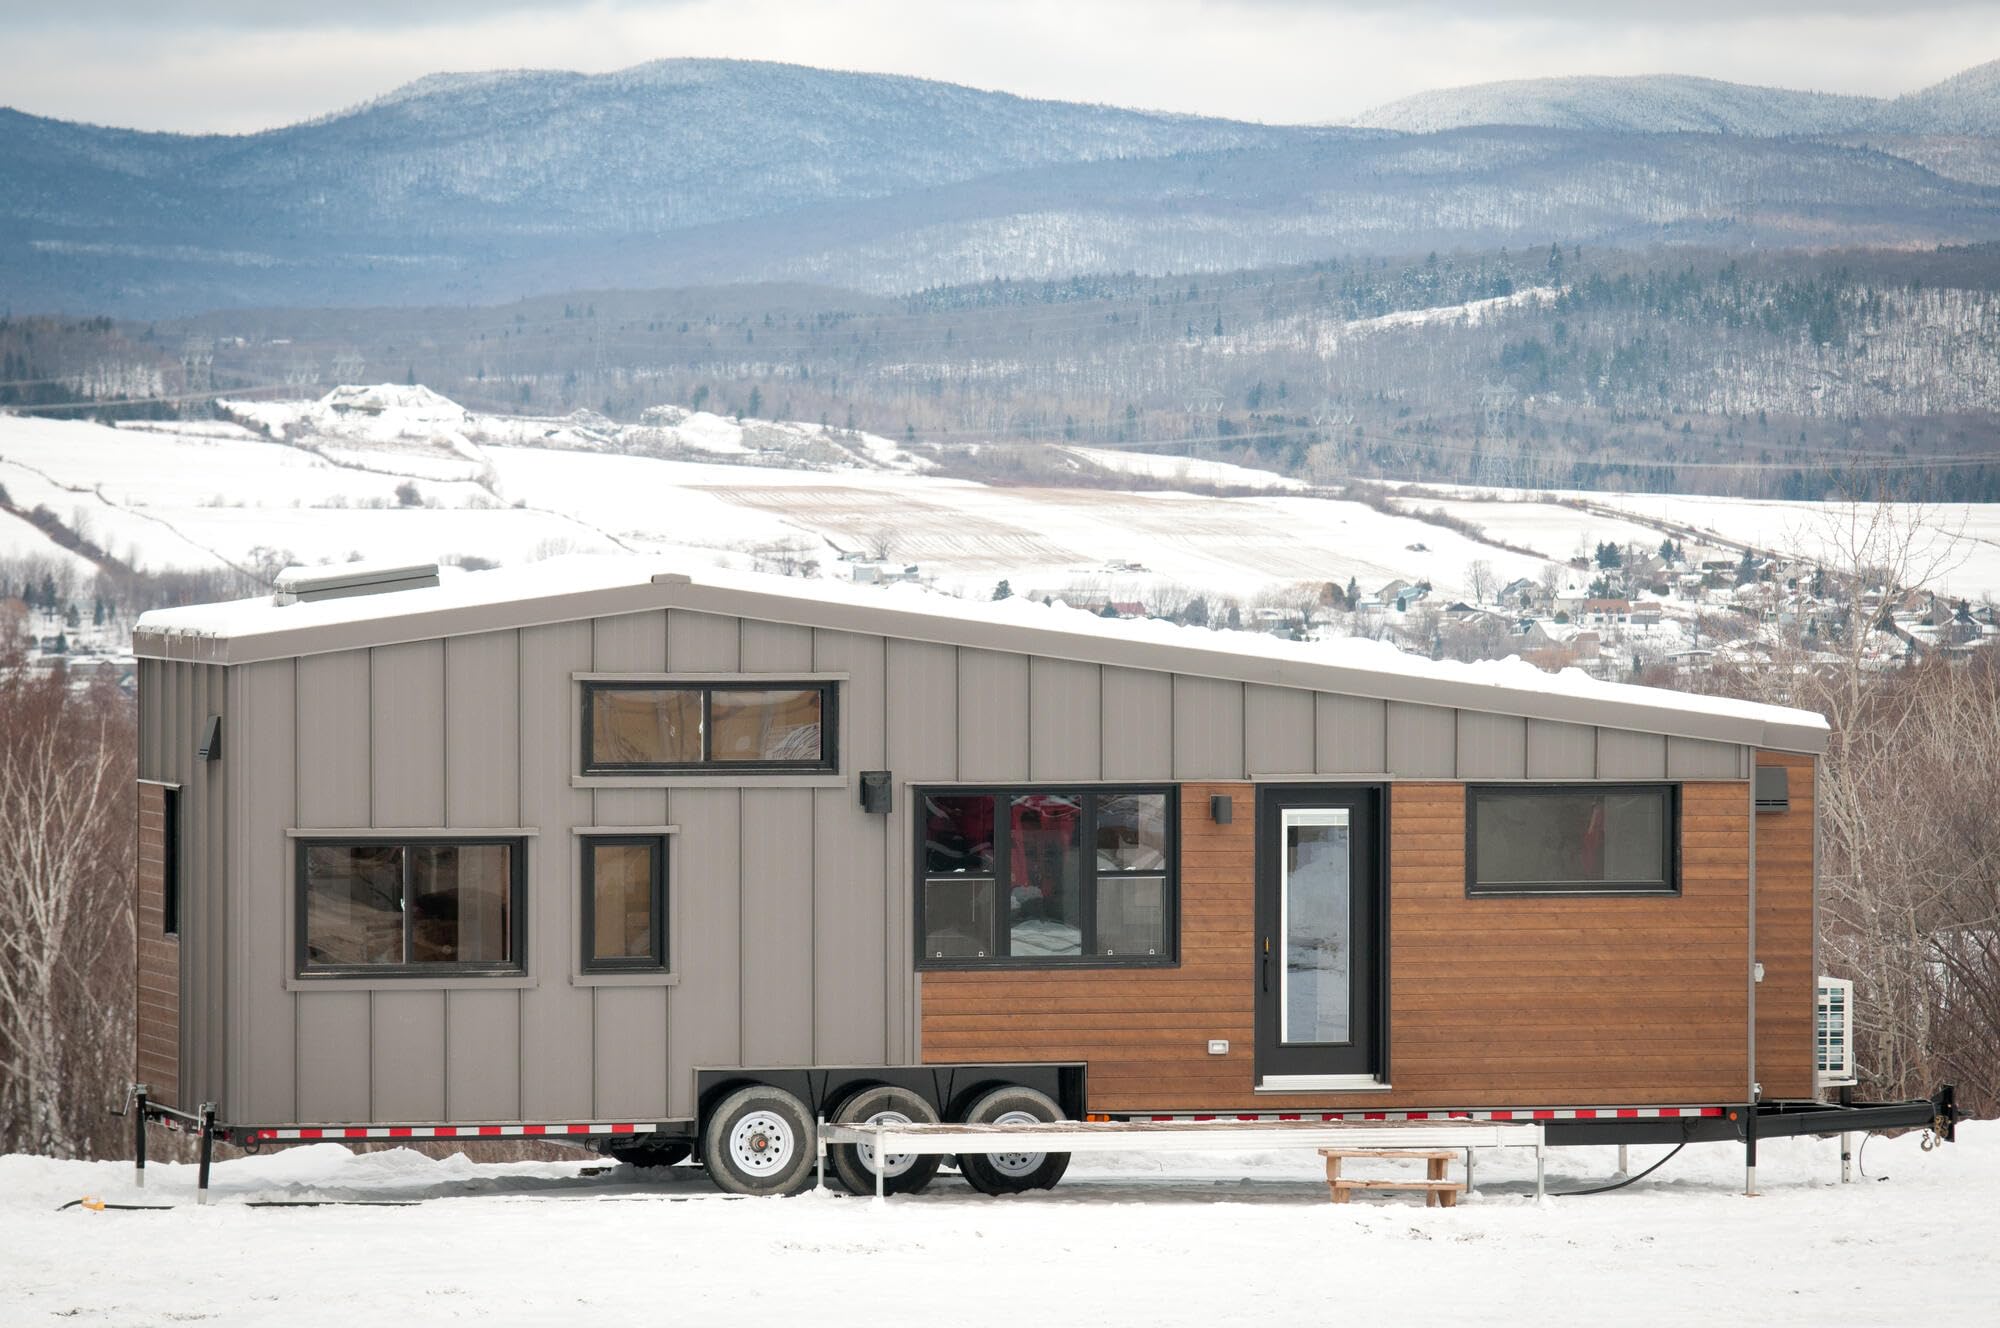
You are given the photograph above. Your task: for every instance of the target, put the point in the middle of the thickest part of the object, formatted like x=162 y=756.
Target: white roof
x=573 y=588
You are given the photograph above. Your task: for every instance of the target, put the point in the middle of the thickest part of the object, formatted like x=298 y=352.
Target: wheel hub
x=761 y=1142
x=893 y=1164
x=1015 y=1164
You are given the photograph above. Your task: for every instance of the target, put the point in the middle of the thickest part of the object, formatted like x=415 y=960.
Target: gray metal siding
x=1622 y=755
x=992 y=716
x=631 y=1027
x=556 y=1018
x=1138 y=718
x=1350 y=735
x=1208 y=728
x=776 y=892
x=1278 y=730
x=406 y=1055
x=1692 y=758
x=260 y=743
x=858 y=921
x=1561 y=751
x=706 y=1027
x=1492 y=746
x=1064 y=720
x=1423 y=741
x=406 y=734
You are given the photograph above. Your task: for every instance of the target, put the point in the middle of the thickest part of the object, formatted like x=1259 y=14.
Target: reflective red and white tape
x=1515 y=1114
x=449 y=1131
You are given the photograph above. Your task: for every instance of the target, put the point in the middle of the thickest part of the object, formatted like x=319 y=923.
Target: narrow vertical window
x=170 y=862
x=624 y=903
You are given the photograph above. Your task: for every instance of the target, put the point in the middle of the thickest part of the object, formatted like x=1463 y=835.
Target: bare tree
x=1479 y=579
x=65 y=933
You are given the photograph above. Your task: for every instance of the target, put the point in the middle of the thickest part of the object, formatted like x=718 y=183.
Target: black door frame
x=1368 y=1057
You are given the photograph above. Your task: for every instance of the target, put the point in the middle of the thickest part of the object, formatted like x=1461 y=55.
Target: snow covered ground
x=402 y=474
x=1125 y=1240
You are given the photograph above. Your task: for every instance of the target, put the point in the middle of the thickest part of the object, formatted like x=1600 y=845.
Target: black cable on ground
x=1621 y=1184
x=95 y=1206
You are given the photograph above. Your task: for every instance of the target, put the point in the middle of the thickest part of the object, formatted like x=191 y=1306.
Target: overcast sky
x=239 y=65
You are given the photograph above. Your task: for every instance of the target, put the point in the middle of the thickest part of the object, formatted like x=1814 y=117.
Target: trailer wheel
x=760 y=1140
x=903 y=1173
x=1013 y=1172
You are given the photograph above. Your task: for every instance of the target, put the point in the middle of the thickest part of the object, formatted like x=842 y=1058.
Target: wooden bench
x=1437 y=1189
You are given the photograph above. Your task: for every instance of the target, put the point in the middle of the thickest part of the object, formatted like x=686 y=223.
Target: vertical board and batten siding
x=556 y=1070
x=1785 y=934
x=1522 y=1001
x=482 y=789
x=406 y=762
x=778 y=866
x=334 y=1063
x=860 y=933
x=631 y=1026
x=184 y=697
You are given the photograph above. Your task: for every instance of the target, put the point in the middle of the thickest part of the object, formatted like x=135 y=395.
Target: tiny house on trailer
x=673 y=864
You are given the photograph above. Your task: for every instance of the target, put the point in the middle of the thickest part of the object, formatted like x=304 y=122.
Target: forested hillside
x=1554 y=366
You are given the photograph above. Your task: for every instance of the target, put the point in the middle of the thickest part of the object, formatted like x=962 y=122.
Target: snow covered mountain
x=1649 y=104
x=1966 y=103
x=474 y=189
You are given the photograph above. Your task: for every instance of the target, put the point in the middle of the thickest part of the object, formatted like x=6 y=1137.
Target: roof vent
x=1773 y=789
x=296 y=584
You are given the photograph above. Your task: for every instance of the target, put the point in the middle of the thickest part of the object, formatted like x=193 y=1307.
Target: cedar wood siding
x=157 y=1054
x=1785 y=935
x=1576 y=1000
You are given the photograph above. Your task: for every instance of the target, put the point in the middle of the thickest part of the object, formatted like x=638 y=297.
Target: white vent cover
x=341 y=580
x=1833 y=1032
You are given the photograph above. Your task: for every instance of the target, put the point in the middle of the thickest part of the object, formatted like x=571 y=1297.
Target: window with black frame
x=1046 y=876
x=691 y=727
x=420 y=907
x=1572 y=839
x=624 y=903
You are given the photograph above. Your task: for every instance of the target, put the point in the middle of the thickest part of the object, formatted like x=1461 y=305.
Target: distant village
x=1620 y=613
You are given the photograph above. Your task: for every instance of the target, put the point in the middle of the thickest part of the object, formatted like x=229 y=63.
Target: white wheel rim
x=1015 y=1165
x=893 y=1164
x=761 y=1142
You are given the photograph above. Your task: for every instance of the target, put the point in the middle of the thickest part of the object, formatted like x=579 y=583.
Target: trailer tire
x=654 y=1153
x=1012 y=1173
x=760 y=1140
x=907 y=1172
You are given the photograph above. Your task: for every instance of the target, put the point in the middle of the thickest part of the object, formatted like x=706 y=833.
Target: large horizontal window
x=624 y=903
x=1040 y=876
x=420 y=907
x=668 y=728
x=1572 y=839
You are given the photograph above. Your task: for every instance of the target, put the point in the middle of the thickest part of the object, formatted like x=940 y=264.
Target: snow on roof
x=571 y=588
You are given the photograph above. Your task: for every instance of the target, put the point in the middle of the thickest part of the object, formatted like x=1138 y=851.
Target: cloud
x=239 y=65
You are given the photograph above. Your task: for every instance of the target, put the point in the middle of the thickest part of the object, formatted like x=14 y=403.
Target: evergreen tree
x=1003 y=590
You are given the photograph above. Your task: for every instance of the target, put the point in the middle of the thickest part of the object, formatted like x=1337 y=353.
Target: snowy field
x=1126 y=1240
x=1965 y=537
x=414 y=477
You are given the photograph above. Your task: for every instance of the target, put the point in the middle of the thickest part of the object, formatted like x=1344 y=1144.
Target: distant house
x=1607 y=612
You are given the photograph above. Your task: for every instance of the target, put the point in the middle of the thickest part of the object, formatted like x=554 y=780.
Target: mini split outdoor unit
x=1833 y=1033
